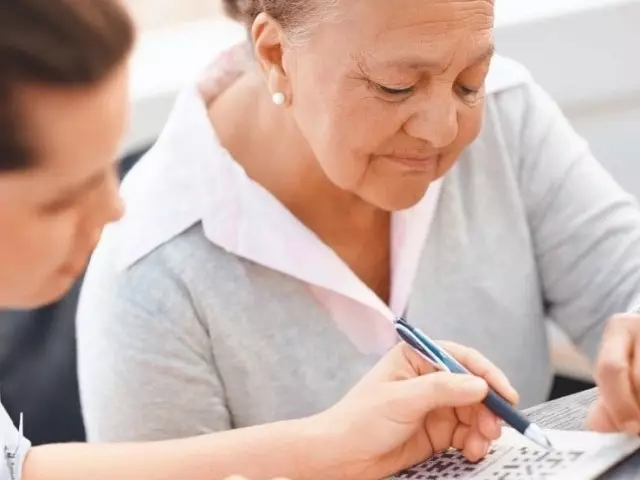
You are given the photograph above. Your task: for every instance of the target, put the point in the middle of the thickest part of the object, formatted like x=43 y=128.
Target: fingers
x=469 y=440
x=460 y=436
x=419 y=365
x=477 y=364
x=440 y=426
x=615 y=378
x=466 y=415
x=476 y=446
x=488 y=424
x=599 y=419
x=423 y=394
x=400 y=363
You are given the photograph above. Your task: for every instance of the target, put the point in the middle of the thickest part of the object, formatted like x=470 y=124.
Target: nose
x=117 y=209
x=106 y=206
x=436 y=119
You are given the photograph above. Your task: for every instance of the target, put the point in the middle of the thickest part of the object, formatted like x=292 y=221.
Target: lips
x=422 y=163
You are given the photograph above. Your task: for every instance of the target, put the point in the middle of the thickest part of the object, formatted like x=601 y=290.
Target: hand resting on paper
x=399 y=414
x=403 y=412
x=617 y=374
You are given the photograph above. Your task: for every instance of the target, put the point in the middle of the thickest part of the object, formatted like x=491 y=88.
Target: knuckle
x=475 y=354
x=610 y=369
x=452 y=346
x=616 y=322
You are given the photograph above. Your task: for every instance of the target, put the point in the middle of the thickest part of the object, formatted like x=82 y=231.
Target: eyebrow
x=486 y=55
x=418 y=63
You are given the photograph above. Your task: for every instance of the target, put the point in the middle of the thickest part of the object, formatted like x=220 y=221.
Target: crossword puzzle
x=447 y=465
x=502 y=463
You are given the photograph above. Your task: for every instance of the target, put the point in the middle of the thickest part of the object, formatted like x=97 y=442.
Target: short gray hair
x=298 y=18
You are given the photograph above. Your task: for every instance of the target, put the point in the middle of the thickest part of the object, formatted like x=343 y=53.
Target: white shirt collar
x=188 y=177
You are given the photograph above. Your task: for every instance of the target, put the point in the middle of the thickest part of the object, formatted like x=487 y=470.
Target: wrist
x=321 y=450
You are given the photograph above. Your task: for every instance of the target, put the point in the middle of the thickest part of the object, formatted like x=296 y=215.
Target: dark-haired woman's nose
x=109 y=206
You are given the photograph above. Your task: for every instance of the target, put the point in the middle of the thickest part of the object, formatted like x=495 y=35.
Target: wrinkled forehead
x=434 y=29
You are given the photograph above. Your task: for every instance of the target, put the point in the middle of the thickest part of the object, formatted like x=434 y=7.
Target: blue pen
x=438 y=357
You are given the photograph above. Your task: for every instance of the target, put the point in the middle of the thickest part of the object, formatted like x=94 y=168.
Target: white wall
x=586 y=53
x=588 y=58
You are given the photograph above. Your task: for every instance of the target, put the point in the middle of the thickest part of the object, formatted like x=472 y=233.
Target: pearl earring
x=278 y=98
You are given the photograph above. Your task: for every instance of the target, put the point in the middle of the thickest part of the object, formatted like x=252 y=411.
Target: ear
x=268 y=40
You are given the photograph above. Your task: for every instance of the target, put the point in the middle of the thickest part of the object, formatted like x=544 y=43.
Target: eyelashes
x=394 y=90
x=465 y=93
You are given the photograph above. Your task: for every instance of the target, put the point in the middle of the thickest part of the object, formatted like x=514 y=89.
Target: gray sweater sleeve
x=585 y=229
x=161 y=382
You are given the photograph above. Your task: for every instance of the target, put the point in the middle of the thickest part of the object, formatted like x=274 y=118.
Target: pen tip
x=537 y=435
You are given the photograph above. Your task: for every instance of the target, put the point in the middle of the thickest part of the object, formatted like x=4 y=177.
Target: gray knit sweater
x=181 y=337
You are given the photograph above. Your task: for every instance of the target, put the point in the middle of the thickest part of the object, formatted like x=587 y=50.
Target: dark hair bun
x=243 y=11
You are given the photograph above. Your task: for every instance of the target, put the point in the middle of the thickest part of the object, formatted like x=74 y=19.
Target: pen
x=438 y=357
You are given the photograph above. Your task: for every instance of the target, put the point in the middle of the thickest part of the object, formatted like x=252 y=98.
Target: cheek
x=31 y=251
x=469 y=127
x=44 y=244
x=343 y=130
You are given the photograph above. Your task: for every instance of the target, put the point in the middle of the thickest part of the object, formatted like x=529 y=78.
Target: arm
x=292 y=449
x=399 y=414
x=585 y=229
x=146 y=369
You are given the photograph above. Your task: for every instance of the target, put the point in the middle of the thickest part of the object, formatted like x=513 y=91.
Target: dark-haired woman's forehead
x=74 y=133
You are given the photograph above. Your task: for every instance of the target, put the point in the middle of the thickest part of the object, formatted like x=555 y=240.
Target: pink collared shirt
x=248 y=221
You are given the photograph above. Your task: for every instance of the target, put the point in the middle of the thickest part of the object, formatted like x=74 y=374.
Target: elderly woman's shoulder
x=516 y=101
x=161 y=238
x=169 y=268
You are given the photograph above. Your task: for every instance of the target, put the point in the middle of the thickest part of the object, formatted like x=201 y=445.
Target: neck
x=265 y=140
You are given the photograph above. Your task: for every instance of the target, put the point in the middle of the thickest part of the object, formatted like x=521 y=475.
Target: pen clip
x=423 y=350
x=435 y=350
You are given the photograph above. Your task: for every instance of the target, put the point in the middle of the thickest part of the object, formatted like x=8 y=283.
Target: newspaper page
x=575 y=456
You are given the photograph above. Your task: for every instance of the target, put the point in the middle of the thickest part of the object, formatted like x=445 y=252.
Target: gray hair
x=298 y=18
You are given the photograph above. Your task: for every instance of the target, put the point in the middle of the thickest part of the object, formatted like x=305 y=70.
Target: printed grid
x=519 y=464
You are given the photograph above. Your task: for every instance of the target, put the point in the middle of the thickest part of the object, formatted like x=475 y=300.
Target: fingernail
x=632 y=427
x=514 y=393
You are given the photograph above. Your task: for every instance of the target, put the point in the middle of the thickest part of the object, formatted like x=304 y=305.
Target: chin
x=402 y=203
x=35 y=294
x=395 y=199
x=49 y=293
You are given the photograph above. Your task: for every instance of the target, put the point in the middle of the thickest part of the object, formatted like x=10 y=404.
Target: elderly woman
x=376 y=160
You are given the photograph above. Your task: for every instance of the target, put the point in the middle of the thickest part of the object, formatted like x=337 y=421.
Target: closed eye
x=394 y=91
x=468 y=94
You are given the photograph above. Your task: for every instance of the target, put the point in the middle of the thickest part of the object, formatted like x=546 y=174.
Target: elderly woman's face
x=391 y=94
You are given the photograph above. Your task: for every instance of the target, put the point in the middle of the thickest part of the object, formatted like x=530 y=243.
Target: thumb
x=442 y=389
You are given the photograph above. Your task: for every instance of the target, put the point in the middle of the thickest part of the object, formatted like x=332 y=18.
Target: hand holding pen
x=496 y=403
